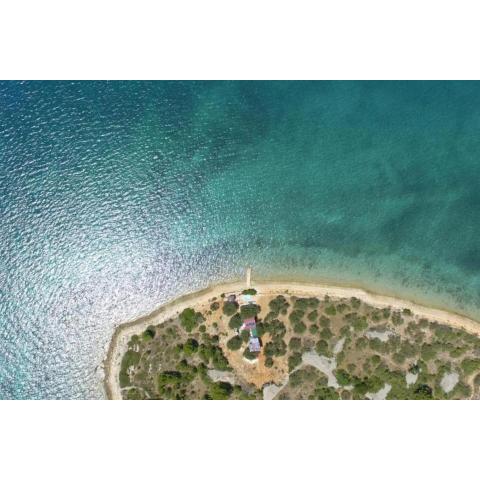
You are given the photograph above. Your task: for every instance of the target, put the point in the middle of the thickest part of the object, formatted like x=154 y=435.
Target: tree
x=149 y=334
x=249 y=310
x=299 y=327
x=330 y=310
x=326 y=334
x=220 y=390
x=214 y=306
x=278 y=304
x=294 y=361
x=470 y=365
x=229 y=308
x=245 y=335
x=269 y=362
x=234 y=343
x=322 y=348
x=295 y=343
x=188 y=319
x=190 y=346
x=250 y=355
x=249 y=291
x=235 y=322
x=343 y=377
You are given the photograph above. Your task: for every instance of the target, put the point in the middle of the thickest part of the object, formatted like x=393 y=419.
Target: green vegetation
x=229 y=308
x=249 y=291
x=174 y=360
x=189 y=319
x=235 y=343
x=235 y=322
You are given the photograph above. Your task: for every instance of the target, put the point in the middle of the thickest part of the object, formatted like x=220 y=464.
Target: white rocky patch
x=381 y=394
x=383 y=336
x=324 y=364
x=448 y=381
x=411 y=378
x=221 y=376
x=339 y=346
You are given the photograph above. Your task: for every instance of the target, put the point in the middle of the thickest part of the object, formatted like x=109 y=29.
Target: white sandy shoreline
x=124 y=332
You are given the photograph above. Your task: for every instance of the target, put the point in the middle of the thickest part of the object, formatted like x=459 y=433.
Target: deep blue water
x=116 y=196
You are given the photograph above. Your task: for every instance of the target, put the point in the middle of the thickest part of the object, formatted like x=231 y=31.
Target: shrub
x=321 y=348
x=245 y=335
x=269 y=362
x=261 y=329
x=324 y=321
x=190 y=346
x=407 y=311
x=294 y=361
x=312 y=316
x=299 y=327
x=229 y=308
x=313 y=329
x=326 y=334
x=428 y=352
x=296 y=315
x=295 y=343
x=397 y=318
x=149 y=333
x=249 y=291
x=249 y=310
x=250 y=355
x=278 y=304
x=359 y=324
x=214 y=306
x=188 y=319
x=220 y=390
x=343 y=377
x=234 y=343
x=470 y=365
x=275 y=348
x=330 y=310
x=355 y=303
x=235 y=322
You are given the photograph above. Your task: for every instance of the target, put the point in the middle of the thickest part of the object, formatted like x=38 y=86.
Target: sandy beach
x=200 y=298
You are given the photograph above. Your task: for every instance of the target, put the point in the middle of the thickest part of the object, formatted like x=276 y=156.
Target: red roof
x=249 y=323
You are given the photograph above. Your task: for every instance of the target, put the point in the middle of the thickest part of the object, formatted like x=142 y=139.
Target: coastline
x=123 y=332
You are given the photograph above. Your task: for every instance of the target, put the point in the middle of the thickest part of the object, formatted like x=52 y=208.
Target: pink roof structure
x=249 y=323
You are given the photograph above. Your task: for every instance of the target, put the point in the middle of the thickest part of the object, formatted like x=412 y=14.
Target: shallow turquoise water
x=117 y=196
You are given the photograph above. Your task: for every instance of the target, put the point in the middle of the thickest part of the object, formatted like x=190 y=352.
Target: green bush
x=220 y=391
x=278 y=304
x=229 y=308
x=249 y=310
x=189 y=319
x=214 y=306
x=330 y=310
x=234 y=343
x=295 y=343
x=312 y=316
x=324 y=321
x=326 y=334
x=276 y=348
x=343 y=377
x=313 y=329
x=235 y=322
x=269 y=362
x=249 y=291
x=355 y=303
x=250 y=355
x=245 y=335
x=296 y=315
x=149 y=334
x=299 y=328
x=321 y=348
x=294 y=360
x=190 y=346
x=470 y=365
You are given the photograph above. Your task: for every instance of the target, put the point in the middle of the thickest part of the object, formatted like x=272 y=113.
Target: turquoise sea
x=117 y=196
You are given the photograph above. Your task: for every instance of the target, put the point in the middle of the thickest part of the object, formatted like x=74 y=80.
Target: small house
x=249 y=323
x=254 y=344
